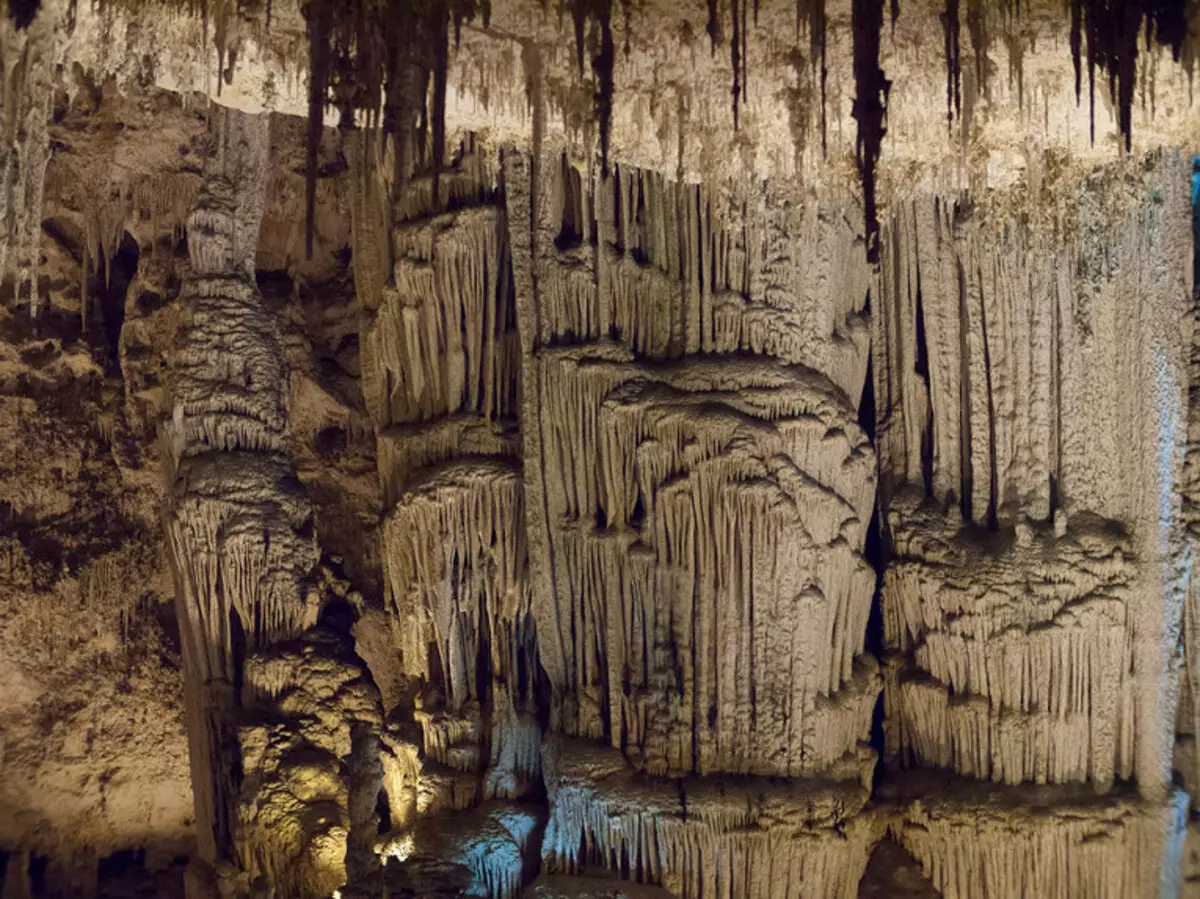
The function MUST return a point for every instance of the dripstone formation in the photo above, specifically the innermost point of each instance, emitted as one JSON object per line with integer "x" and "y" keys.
{"x": 722, "y": 451}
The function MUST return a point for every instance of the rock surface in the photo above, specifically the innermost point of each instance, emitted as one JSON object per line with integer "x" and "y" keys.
{"x": 705, "y": 450}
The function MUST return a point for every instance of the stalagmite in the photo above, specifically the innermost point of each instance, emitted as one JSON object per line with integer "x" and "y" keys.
{"x": 308, "y": 710}
{"x": 239, "y": 526}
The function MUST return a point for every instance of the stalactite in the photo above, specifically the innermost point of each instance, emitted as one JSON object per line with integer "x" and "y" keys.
{"x": 604, "y": 74}
{"x": 32, "y": 34}
{"x": 579, "y": 14}
{"x": 977, "y": 28}
{"x": 440, "y": 37}
{"x": 23, "y": 12}
{"x": 950, "y": 27}
{"x": 975, "y": 843}
{"x": 1111, "y": 30}
{"x": 735, "y": 57}
{"x": 870, "y": 109}
{"x": 814, "y": 12}
{"x": 319, "y": 14}
{"x": 1077, "y": 46}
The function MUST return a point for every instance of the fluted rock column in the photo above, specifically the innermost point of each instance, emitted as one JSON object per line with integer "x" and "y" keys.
{"x": 1032, "y": 367}
{"x": 698, "y": 491}
{"x": 440, "y": 379}
{"x": 238, "y": 523}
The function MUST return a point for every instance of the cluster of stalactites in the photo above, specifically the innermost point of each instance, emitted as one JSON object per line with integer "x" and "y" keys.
{"x": 1105, "y": 36}
{"x": 30, "y": 53}
{"x": 455, "y": 563}
{"x": 721, "y": 499}
{"x": 684, "y": 271}
{"x": 1067, "y": 846}
{"x": 696, "y": 487}
{"x": 444, "y": 339}
{"x": 1018, "y": 658}
{"x": 404, "y": 451}
{"x": 704, "y": 837}
{"x": 368, "y": 56}
{"x": 478, "y": 852}
{"x": 164, "y": 201}
{"x": 1004, "y": 354}
{"x": 224, "y": 443}
{"x": 440, "y": 376}
{"x": 240, "y": 532}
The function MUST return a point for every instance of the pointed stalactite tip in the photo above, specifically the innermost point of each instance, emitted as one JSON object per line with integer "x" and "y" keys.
{"x": 735, "y": 54}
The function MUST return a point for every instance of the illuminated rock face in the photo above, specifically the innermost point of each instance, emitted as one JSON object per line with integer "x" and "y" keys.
{"x": 310, "y": 765}
{"x": 692, "y": 455}
{"x": 1036, "y": 384}
{"x": 704, "y": 496}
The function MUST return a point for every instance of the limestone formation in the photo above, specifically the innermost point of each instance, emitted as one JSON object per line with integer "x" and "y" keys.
{"x": 309, "y": 743}
{"x": 239, "y": 526}
{"x": 717, "y": 450}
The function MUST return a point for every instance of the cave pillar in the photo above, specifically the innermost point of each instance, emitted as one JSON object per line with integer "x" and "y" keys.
{"x": 239, "y": 526}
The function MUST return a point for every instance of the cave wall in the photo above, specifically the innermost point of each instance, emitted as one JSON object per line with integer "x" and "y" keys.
{"x": 643, "y": 482}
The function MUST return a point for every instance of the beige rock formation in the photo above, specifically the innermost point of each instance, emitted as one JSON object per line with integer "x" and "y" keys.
{"x": 711, "y": 449}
